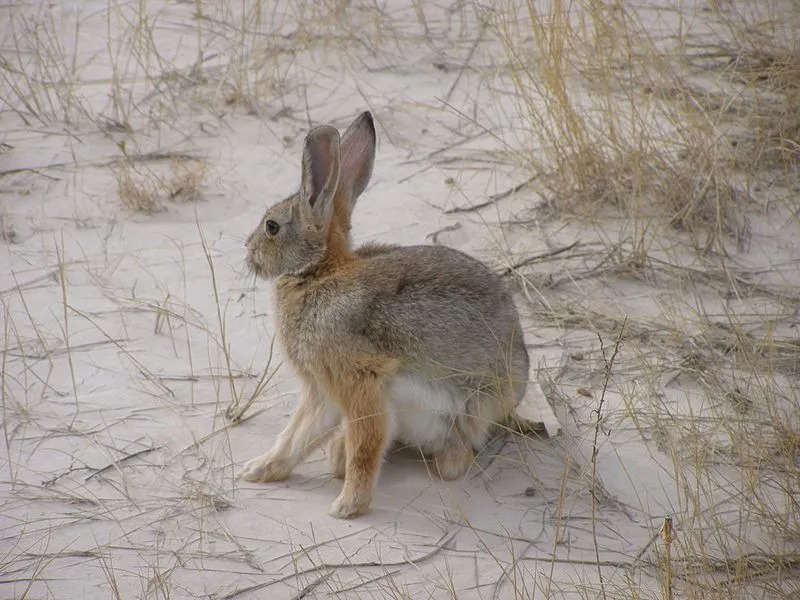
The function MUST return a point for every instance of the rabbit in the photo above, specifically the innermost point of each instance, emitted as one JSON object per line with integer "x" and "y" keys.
{"x": 416, "y": 344}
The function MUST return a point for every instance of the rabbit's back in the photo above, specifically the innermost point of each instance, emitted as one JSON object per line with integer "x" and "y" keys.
{"x": 438, "y": 309}
{"x": 443, "y": 314}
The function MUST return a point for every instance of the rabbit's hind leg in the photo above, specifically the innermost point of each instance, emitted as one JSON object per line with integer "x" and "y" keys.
{"x": 455, "y": 458}
{"x": 481, "y": 414}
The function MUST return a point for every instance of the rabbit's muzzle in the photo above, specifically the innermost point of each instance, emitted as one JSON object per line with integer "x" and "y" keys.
{"x": 252, "y": 250}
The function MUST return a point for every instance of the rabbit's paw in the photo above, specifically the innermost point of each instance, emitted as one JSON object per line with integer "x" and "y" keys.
{"x": 338, "y": 456}
{"x": 264, "y": 469}
{"x": 349, "y": 507}
{"x": 454, "y": 461}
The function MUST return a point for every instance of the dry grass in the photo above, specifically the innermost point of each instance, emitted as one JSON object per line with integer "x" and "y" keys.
{"x": 587, "y": 82}
{"x": 40, "y": 74}
{"x": 715, "y": 398}
{"x": 757, "y": 49}
{"x": 142, "y": 188}
{"x": 612, "y": 116}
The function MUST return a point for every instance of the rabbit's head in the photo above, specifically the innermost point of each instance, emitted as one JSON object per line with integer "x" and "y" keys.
{"x": 312, "y": 225}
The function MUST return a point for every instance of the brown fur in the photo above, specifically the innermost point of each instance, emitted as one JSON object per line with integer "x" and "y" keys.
{"x": 356, "y": 389}
{"x": 337, "y": 244}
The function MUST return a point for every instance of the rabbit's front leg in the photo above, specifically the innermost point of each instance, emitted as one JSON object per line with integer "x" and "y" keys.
{"x": 312, "y": 423}
{"x": 365, "y": 439}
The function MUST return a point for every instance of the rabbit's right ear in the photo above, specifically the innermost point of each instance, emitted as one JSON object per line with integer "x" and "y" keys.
{"x": 320, "y": 174}
{"x": 358, "y": 156}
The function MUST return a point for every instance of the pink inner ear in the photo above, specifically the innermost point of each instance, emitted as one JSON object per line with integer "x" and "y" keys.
{"x": 358, "y": 151}
{"x": 320, "y": 158}
{"x": 320, "y": 168}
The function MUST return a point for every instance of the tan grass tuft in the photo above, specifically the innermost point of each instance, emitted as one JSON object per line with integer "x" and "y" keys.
{"x": 141, "y": 188}
{"x": 758, "y": 50}
{"x": 583, "y": 75}
{"x": 186, "y": 180}
{"x": 136, "y": 191}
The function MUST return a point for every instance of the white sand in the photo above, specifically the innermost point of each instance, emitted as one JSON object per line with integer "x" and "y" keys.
{"x": 117, "y": 464}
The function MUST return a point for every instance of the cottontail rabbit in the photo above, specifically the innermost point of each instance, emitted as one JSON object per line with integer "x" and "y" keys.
{"x": 418, "y": 344}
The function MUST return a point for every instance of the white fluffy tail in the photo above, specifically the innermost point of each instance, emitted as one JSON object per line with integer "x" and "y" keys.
{"x": 535, "y": 413}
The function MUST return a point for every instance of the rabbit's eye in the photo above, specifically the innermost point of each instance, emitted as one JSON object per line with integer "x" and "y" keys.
{"x": 271, "y": 227}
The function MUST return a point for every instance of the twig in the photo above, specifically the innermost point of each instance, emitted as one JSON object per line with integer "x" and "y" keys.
{"x": 434, "y": 237}
{"x": 440, "y": 544}
{"x": 58, "y": 351}
{"x": 667, "y": 536}
{"x": 305, "y": 591}
{"x": 471, "y": 207}
{"x": 258, "y": 586}
{"x": 141, "y": 452}
{"x": 609, "y": 365}
{"x": 54, "y": 478}
{"x": 106, "y": 161}
{"x": 216, "y": 432}
{"x": 495, "y": 453}
{"x": 24, "y": 284}
{"x": 355, "y": 586}
{"x": 492, "y": 199}
{"x": 616, "y": 564}
{"x": 210, "y": 377}
{"x": 426, "y": 159}
{"x": 538, "y": 257}
{"x": 646, "y": 547}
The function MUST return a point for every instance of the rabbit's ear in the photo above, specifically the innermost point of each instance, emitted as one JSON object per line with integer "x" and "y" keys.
{"x": 320, "y": 175}
{"x": 358, "y": 156}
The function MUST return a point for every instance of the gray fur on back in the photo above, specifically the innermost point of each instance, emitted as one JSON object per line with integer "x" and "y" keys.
{"x": 444, "y": 314}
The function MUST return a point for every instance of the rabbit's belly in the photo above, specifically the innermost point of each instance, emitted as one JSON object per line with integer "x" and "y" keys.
{"x": 421, "y": 413}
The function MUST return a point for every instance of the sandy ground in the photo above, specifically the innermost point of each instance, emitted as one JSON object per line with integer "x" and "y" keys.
{"x": 127, "y": 335}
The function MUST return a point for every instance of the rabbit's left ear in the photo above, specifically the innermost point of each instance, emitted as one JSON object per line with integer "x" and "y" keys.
{"x": 358, "y": 156}
{"x": 320, "y": 173}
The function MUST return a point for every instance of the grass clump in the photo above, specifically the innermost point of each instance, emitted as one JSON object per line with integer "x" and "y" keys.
{"x": 759, "y": 52}
{"x": 144, "y": 189}
{"x": 585, "y": 77}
